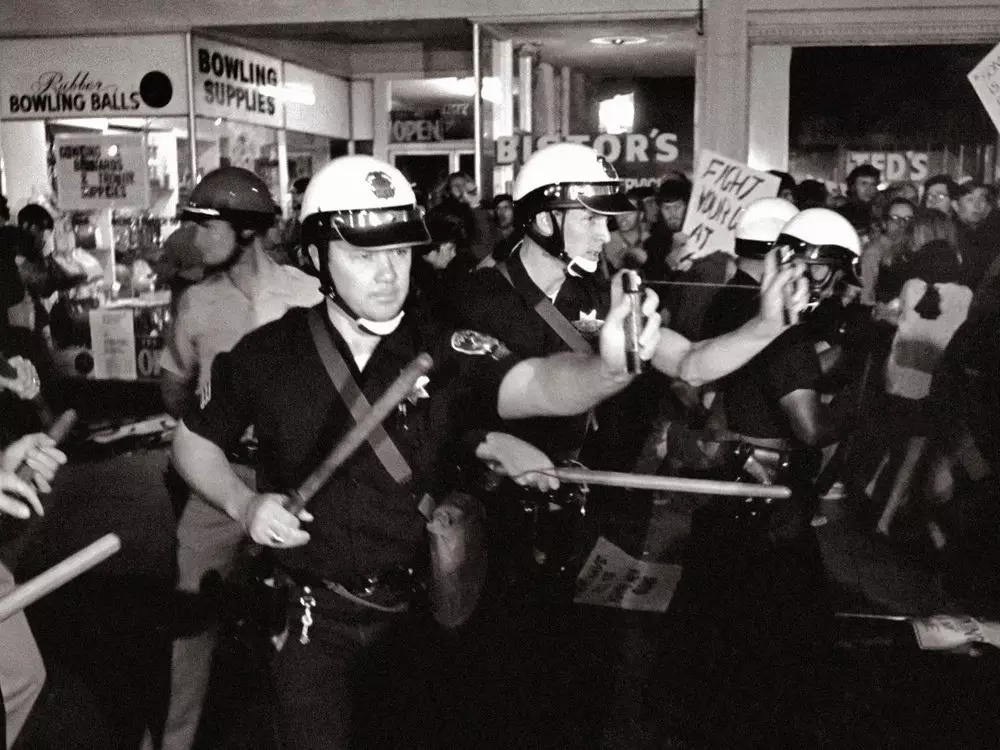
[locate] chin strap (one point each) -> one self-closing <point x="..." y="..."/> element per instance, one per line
<point x="555" y="245"/>
<point x="372" y="327"/>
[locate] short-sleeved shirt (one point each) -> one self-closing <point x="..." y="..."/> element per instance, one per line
<point x="364" y="521"/>
<point x="213" y="315"/>
<point x="751" y="396"/>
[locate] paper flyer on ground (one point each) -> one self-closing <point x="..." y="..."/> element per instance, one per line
<point x="612" y="578"/>
<point x="942" y="632"/>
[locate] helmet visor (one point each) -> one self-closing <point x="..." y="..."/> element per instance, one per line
<point x="372" y="228"/>
<point x="831" y="255"/>
<point x="602" y="197"/>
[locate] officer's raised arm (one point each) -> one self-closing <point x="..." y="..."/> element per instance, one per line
<point x="570" y="383"/>
<point x="784" y="294"/>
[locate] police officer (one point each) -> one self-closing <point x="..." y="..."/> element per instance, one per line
<point x="752" y="608"/>
<point x="546" y="298"/>
<point x="232" y="211"/>
<point x="363" y="533"/>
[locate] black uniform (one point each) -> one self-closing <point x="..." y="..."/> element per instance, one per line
<point x="488" y="302"/>
<point x="365" y="523"/>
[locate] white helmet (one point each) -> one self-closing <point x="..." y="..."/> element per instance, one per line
<point x="364" y="202"/>
<point x="760" y="224"/>
<point x="369" y="205"/>
<point x="564" y="176"/>
<point x="819" y="236"/>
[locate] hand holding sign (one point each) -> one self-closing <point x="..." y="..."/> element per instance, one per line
<point x="722" y="189"/>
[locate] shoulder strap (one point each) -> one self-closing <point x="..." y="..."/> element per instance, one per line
<point x="554" y="319"/>
<point x="340" y="374"/>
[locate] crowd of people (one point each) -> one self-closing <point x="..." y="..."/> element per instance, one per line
<point x="758" y="363"/>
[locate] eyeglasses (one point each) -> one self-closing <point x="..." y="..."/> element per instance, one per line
<point x="900" y="219"/>
<point x="937" y="197"/>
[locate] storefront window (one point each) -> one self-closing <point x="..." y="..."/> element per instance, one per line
<point x="227" y="143"/>
<point x="910" y="111"/>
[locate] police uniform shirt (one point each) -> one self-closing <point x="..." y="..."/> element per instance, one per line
<point x="751" y="395"/>
<point x="486" y="301"/>
<point x="364" y="521"/>
<point x="213" y="315"/>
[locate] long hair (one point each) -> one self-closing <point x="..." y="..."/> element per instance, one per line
<point x="927" y="225"/>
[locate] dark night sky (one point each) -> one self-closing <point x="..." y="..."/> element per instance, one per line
<point x="856" y="95"/>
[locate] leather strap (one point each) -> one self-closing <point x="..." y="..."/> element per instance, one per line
<point x="340" y="374"/>
<point x="555" y="319"/>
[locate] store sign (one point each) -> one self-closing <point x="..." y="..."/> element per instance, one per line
<point x="98" y="172"/>
<point x="639" y="158"/>
<point x="722" y="190"/>
<point x="237" y="84"/>
<point x="93" y="77"/>
<point x="452" y="122"/>
<point x="318" y="104"/>
<point x="894" y="165"/>
<point x="985" y="79"/>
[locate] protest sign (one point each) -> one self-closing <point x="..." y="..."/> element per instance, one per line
<point x="96" y="172"/>
<point x="985" y="79"/>
<point x="613" y="578"/>
<point x="722" y="189"/>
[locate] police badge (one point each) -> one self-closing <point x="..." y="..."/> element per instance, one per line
<point x="478" y="344"/>
<point x="381" y="185"/>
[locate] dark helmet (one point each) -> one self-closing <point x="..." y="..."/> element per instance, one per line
<point x="235" y="195"/>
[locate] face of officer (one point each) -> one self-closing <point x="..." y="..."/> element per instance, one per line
<point x="584" y="232"/>
<point x="673" y="214"/>
<point x="215" y="241"/>
<point x="373" y="283"/>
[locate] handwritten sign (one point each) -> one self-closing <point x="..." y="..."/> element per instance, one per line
<point x="96" y="172"/>
<point x="112" y="336"/>
<point x="612" y="578"/>
<point x="985" y="79"/>
<point x="722" y="189"/>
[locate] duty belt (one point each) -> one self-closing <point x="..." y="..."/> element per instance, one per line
<point x="390" y="590"/>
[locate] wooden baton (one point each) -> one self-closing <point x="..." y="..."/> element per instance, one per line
<point x="400" y="388"/>
<point x="668" y="484"/>
<point x="59" y="574"/>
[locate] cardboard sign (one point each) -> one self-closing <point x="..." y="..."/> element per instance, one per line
<point x="237" y="84"/>
<point x="985" y="79"/>
<point x="116" y="76"/>
<point x="612" y="578"/>
<point x="112" y="337"/>
<point x="96" y="172"/>
<point x="722" y="190"/>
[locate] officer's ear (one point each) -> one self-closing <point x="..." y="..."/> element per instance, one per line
<point x="543" y="222"/>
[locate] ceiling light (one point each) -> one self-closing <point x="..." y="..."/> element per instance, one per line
<point x="618" y="41"/>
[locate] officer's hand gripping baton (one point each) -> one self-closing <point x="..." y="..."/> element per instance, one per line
<point x="401" y="388"/>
